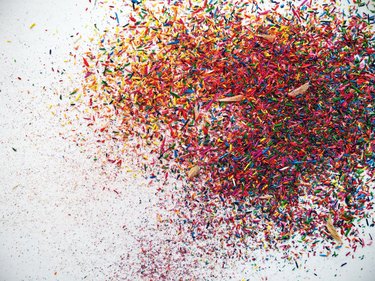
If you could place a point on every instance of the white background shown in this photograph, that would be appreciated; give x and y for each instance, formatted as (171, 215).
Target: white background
(56, 222)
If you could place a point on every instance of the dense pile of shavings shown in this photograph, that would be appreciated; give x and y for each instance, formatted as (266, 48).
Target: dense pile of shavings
(268, 116)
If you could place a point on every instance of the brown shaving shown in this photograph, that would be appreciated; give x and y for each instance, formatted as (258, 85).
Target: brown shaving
(265, 197)
(193, 172)
(232, 99)
(270, 38)
(300, 90)
(332, 231)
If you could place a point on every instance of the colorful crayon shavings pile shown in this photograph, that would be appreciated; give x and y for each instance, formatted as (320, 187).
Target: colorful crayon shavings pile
(266, 116)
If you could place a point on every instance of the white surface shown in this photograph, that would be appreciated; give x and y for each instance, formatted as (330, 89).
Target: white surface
(56, 222)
